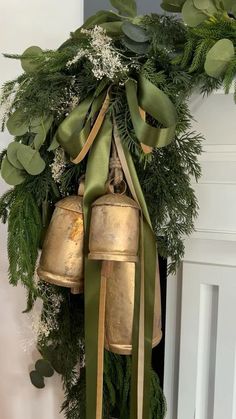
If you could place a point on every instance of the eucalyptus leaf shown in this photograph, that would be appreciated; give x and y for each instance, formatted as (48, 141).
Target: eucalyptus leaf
(11, 174)
(41, 131)
(37, 124)
(37, 379)
(207, 5)
(54, 358)
(125, 7)
(99, 18)
(135, 32)
(228, 4)
(12, 154)
(28, 62)
(233, 9)
(31, 160)
(171, 7)
(17, 124)
(137, 47)
(191, 15)
(219, 57)
(39, 138)
(112, 28)
(54, 144)
(44, 368)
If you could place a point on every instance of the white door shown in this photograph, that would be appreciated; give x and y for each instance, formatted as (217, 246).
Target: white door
(201, 308)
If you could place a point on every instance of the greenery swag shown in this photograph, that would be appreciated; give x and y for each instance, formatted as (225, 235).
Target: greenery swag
(111, 48)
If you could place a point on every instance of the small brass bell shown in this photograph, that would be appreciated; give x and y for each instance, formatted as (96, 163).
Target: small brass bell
(61, 261)
(120, 309)
(114, 229)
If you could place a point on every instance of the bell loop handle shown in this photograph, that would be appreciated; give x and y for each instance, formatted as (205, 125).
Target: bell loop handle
(121, 188)
(116, 181)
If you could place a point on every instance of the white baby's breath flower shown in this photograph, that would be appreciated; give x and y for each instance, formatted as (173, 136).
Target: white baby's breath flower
(80, 54)
(58, 165)
(105, 59)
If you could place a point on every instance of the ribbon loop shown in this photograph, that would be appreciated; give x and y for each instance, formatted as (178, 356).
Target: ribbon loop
(74, 134)
(158, 105)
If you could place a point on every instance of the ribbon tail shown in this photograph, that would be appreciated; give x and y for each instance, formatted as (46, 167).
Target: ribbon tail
(95, 186)
(94, 132)
(101, 338)
(145, 297)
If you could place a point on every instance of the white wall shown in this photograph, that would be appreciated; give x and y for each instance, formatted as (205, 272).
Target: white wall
(24, 23)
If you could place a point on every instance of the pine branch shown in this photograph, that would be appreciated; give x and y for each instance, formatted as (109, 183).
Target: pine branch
(24, 232)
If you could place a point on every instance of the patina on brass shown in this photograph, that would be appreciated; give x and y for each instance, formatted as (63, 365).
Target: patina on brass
(114, 229)
(120, 309)
(61, 261)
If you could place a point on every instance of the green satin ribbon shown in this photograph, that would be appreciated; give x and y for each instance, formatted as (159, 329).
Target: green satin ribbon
(157, 104)
(95, 186)
(150, 262)
(72, 135)
(74, 130)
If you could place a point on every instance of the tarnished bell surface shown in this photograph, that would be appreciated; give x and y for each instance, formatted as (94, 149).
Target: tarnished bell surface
(114, 229)
(120, 309)
(61, 262)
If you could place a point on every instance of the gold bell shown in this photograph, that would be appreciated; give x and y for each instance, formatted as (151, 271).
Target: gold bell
(120, 309)
(114, 229)
(61, 261)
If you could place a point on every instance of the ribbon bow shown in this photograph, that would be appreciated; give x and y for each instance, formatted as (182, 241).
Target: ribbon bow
(90, 128)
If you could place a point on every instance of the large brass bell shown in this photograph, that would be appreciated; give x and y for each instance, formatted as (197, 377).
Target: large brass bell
(120, 308)
(114, 229)
(61, 261)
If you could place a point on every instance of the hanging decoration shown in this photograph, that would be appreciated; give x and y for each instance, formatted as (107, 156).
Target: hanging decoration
(100, 168)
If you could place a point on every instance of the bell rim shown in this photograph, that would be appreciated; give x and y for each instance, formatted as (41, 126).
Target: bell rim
(61, 281)
(72, 203)
(107, 200)
(116, 257)
(120, 349)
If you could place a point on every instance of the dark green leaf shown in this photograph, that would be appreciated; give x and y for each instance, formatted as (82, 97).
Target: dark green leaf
(112, 28)
(137, 47)
(37, 379)
(174, 6)
(171, 7)
(44, 368)
(11, 174)
(54, 144)
(103, 16)
(125, 7)
(134, 32)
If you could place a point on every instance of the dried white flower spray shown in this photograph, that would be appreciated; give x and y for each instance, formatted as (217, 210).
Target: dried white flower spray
(58, 165)
(105, 60)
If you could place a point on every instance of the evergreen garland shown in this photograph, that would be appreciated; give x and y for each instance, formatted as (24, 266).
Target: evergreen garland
(173, 58)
